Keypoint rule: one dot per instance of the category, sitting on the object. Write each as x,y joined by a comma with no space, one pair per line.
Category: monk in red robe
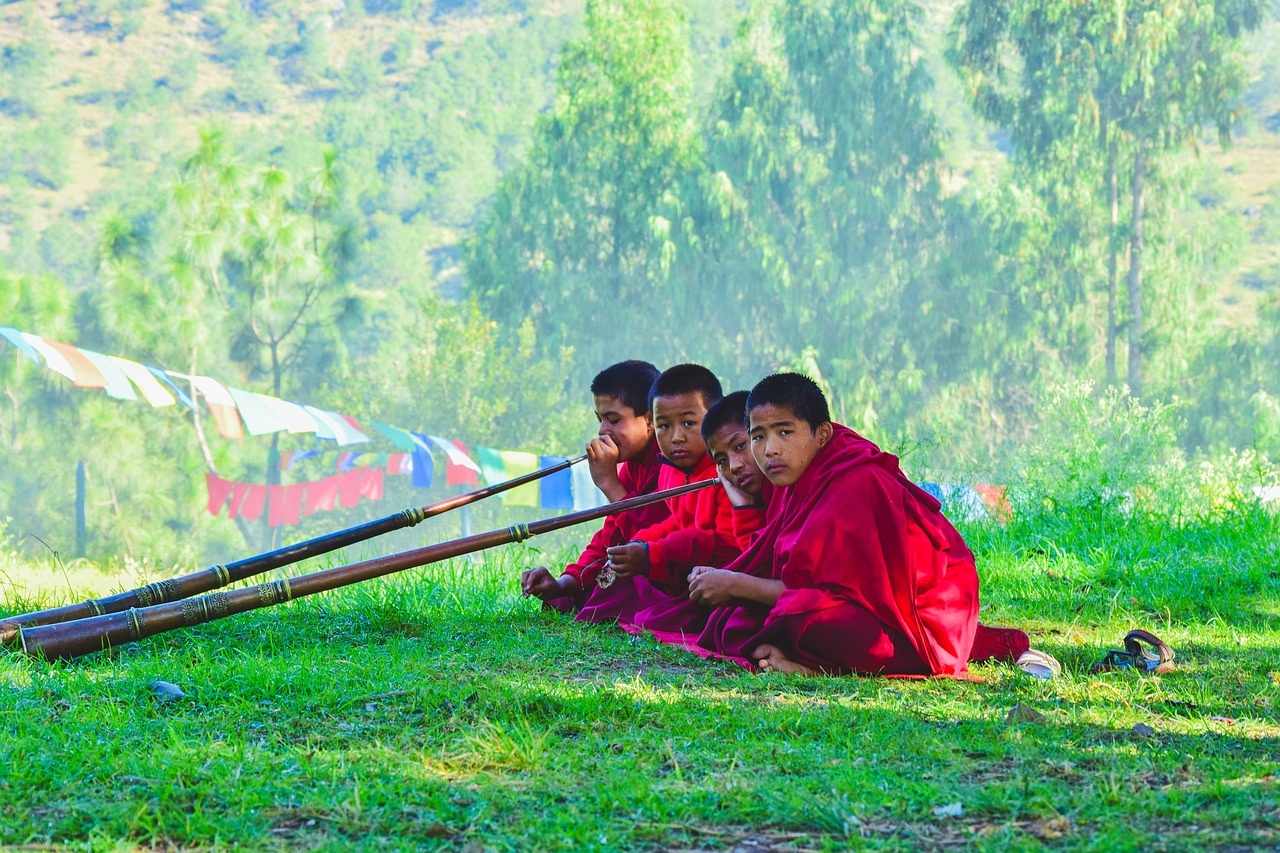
656,565
856,569
623,459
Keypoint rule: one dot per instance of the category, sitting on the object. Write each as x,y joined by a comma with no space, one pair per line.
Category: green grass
439,710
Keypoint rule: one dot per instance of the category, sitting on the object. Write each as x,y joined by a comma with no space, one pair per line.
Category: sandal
1158,658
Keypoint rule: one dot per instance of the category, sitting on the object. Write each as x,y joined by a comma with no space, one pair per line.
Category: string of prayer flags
338,427
15,337
555,491
294,417
142,378
517,463
287,504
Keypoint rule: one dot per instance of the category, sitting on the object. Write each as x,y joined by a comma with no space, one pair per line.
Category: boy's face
730,449
677,421
784,445
618,421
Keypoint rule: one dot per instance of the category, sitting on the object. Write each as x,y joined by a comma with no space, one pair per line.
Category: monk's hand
630,559
712,587
602,461
540,583
737,496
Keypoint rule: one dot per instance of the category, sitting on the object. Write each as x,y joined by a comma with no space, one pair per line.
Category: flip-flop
1039,664
1136,655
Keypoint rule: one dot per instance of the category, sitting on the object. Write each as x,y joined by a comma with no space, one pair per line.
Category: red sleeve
745,521
593,555
705,539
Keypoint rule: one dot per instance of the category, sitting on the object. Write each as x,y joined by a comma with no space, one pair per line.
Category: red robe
877,580
639,477
692,535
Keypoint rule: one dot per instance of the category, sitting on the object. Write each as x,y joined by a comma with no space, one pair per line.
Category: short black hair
629,381
729,409
687,379
793,391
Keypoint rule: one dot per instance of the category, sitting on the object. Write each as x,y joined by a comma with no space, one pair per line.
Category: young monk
856,570
655,566
623,459
725,433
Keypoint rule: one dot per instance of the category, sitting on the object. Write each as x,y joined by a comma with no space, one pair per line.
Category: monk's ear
824,432
648,420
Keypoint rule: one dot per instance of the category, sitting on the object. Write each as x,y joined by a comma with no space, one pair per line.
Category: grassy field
440,710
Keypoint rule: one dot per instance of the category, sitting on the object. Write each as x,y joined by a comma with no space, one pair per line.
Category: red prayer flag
254,502
238,493
459,475
395,463
219,489
321,494
371,483
284,504
350,485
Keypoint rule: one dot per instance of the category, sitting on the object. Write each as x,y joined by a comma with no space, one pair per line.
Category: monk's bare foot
771,659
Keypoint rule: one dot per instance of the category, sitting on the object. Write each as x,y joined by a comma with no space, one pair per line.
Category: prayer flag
284,504
396,463
226,418
14,337
400,438
219,490
555,490
338,428
118,386
423,466
239,491
350,484
371,483
585,493
164,377
517,463
322,494
52,358
259,418
294,417
83,373
490,465
254,502
154,393
459,470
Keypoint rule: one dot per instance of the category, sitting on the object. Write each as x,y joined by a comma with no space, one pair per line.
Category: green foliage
24,73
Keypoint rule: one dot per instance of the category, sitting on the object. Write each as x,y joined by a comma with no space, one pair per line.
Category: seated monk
856,570
623,460
655,565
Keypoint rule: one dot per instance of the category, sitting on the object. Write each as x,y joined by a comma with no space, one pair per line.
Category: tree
586,224
1118,83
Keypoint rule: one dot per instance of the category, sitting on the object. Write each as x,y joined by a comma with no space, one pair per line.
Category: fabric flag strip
295,418
555,490
154,393
490,465
52,358
259,418
338,427
84,374
219,491
585,493
516,463
459,470
423,463
117,386
400,438
221,404
164,377
15,337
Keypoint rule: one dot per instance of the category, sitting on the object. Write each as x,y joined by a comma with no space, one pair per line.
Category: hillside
427,103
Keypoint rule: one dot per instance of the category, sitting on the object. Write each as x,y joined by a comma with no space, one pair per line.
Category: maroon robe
876,579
